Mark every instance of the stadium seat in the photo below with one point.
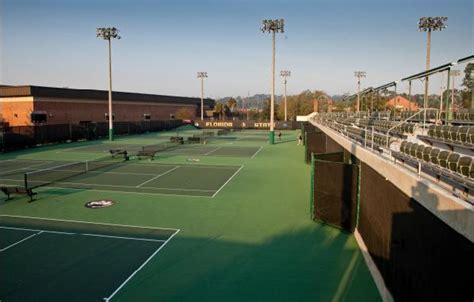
(443, 158)
(453, 133)
(408, 148)
(471, 170)
(445, 132)
(419, 151)
(470, 139)
(426, 153)
(462, 134)
(413, 149)
(464, 165)
(431, 130)
(402, 146)
(434, 156)
(437, 131)
(452, 161)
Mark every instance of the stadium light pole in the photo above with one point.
(285, 74)
(359, 75)
(272, 26)
(109, 33)
(428, 25)
(201, 75)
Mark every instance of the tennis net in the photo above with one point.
(51, 175)
(161, 147)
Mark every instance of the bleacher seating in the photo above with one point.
(458, 135)
(447, 163)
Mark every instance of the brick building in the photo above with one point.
(25, 105)
(402, 103)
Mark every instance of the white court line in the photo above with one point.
(236, 172)
(255, 154)
(157, 176)
(87, 222)
(24, 168)
(131, 187)
(18, 242)
(127, 192)
(138, 269)
(34, 230)
(212, 151)
(122, 237)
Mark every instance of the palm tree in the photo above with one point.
(219, 108)
(232, 103)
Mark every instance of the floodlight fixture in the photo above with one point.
(109, 33)
(201, 75)
(273, 26)
(285, 74)
(432, 23)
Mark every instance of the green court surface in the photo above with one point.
(96, 258)
(242, 211)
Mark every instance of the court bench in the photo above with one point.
(177, 139)
(194, 140)
(146, 153)
(18, 190)
(115, 152)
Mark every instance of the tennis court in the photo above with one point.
(60, 260)
(238, 246)
(122, 176)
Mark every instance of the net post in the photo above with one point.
(25, 179)
(87, 166)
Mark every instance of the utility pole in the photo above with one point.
(201, 75)
(359, 75)
(272, 26)
(285, 74)
(109, 33)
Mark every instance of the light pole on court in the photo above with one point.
(273, 26)
(109, 33)
(201, 75)
(285, 74)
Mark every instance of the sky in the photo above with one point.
(165, 43)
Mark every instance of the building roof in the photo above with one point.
(54, 92)
(401, 102)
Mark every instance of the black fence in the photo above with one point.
(334, 199)
(318, 142)
(18, 137)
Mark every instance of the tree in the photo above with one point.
(219, 108)
(232, 103)
(266, 111)
(468, 84)
(184, 114)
